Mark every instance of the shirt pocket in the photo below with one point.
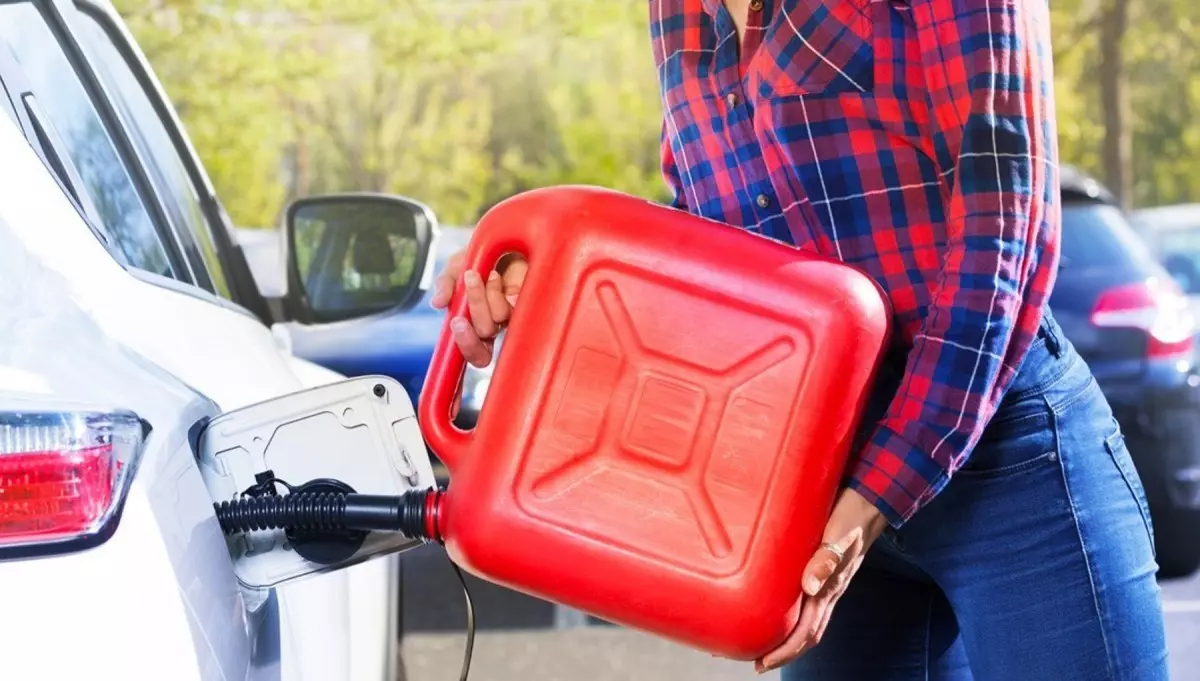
(817, 47)
(864, 180)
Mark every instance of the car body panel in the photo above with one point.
(399, 345)
(161, 579)
(231, 359)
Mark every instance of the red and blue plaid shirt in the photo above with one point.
(913, 139)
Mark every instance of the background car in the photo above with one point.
(1131, 323)
(1173, 233)
(396, 342)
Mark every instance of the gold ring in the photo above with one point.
(834, 550)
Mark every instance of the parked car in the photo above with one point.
(130, 316)
(1173, 233)
(397, 342)
(1132, 324)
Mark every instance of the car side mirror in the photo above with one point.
(354, 255)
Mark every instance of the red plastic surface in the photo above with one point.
(668, 422)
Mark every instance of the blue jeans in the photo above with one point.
(1036, 563)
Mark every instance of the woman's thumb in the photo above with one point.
(824, 563)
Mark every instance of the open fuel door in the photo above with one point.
(361, 432)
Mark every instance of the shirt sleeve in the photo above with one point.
(990, 87)
(670, 171)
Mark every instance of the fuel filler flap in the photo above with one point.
(361, 432)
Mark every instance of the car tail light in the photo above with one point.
(1155, 306)
(63, 477)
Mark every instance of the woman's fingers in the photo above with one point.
(500, 308)
(474, 349)
(825, 562)
(443, 285)
(823, 624)
(812, 613)
(489, 305)
(514, 278)
(836, 588)
(478, 306)
(815, 613)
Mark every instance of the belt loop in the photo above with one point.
(1049, 330)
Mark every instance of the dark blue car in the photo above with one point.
(1134, 327)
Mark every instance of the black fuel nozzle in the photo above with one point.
(326, 521)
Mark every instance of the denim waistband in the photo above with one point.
(1049, 357)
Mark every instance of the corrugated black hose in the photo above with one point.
(326, 522)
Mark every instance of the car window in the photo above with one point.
(1099, 235)
(105, 178)
(398, 268)
(154, 143)
(1180, 241)
(1179, 252)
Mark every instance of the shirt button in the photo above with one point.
(732, 100)
(756, 5)
(763, 201)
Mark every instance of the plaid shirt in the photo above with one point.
(913, 139)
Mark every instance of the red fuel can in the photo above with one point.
(667, 425)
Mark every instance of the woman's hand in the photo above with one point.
(489, 303)
(853, 526)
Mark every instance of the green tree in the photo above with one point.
(219, 69)
(462, 103)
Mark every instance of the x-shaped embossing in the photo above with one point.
(716, 385)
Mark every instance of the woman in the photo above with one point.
(992, 525)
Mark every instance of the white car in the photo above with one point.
(128, 319)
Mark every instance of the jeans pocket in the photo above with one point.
(1022, 439)
(1115, 445)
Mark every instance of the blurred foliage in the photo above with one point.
(1161, 52)
(464, 102)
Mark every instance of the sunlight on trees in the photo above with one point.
(462, 103)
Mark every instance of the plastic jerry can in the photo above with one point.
(668, 423)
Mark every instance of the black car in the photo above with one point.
(1128, 319)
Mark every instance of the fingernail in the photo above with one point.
(811, 585)
(459, 325)
(494, 276)
(472, 278)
